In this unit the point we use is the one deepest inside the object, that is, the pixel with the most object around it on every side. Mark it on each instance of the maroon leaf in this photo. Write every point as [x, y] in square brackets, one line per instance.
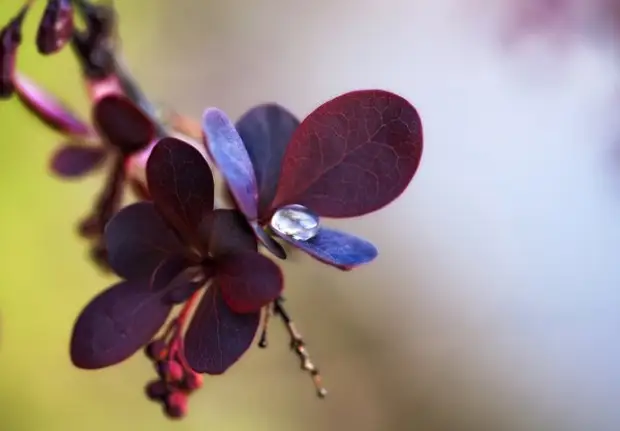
[227, 231]
[122, 123]
[352, 155]
[248, 281]
[229, 154]
[138, 240]
[266, 131]
[74, 160]
[116, 324]
[10, 39]
[181, 184]
[217, 336]
[337, 248]
[49, 109]
[56, 27]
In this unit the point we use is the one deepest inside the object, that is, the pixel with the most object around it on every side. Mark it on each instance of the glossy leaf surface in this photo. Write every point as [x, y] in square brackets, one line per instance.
[56, 27]
[266, 131]
[352, 155]
[337, 248]
[49, 109]
[248, 281]
[181, 184]
[227, 231]
[217, 336]
[122, 124]
[116, 324]
[225, 147]
[73, 160]
[10, 39]
[138, 240]
[170, 270]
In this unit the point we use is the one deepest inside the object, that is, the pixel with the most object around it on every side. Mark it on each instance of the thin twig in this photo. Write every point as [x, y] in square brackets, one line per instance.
[298, 345]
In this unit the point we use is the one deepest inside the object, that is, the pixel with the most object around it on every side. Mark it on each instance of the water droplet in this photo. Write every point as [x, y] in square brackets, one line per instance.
[297, 222]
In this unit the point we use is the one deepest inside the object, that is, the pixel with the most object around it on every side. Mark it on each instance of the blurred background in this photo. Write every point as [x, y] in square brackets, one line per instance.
[494, 303]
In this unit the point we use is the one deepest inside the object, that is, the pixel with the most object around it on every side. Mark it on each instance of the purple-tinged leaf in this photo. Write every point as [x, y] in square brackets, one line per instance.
[226, 148]
[138, 240]
[248, 281]
[217, 337]
[116, 324]
[266, 131]
[171, 270]
[181, 185]
[49, 109]
[123, 124]
[268, 242]
[10, 39]
[352, 155]
[226, 231]
[337, 248]
[56, 27]
[74, 160]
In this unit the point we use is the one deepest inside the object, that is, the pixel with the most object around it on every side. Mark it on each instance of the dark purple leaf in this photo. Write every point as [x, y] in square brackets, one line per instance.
[138, 240]
[229, 154]
[74, 160]
[266, 131]
[227, 231]
[352, 155]
[49, 109]
[268, 242]
[337, 248]
[171, 270]
[56, 27]
[217, 336]
[181, 185]
[10, 39]
[116, 324]
[122, 123]
[248, 281]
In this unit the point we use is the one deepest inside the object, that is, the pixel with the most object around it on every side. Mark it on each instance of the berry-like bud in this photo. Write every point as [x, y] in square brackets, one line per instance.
[175, 405]
[175, 372]
[157, 390]
[192, 381]
[155, 350]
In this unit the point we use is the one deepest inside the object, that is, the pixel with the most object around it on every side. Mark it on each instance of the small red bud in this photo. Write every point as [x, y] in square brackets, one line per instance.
[175, 405]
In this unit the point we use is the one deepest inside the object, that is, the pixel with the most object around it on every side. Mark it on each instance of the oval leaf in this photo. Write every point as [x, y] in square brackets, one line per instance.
[56, 27]
[75, 160]
[352, 155]
[181, 184]
[122, 124]
[226, 231]
[116, 324]
[10, 39]
[226, 148]
[337, 248]
[49, 109]
[248, 281]
[138, 240]
[266, 131]
[217, 337]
